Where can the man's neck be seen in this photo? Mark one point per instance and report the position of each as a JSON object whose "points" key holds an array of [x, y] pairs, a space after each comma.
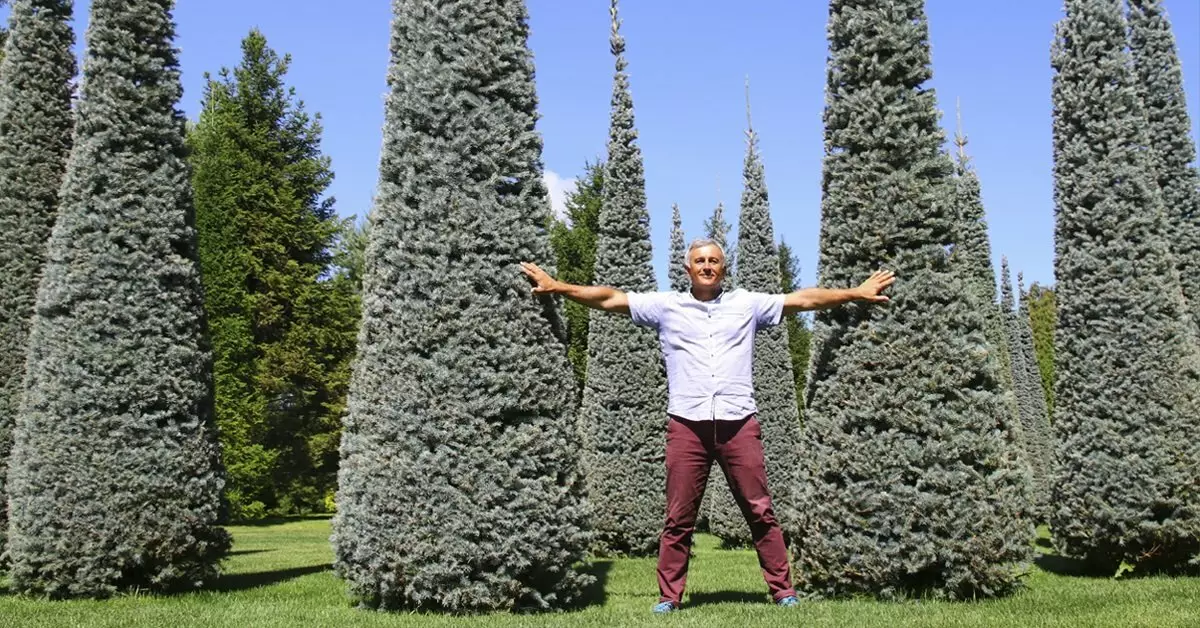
{"points": [[706, 295]]}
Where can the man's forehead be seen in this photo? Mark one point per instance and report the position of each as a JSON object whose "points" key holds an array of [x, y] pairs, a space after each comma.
{"points": [[708, 250]]}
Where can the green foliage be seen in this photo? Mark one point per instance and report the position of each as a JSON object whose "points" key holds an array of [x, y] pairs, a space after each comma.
{"points": [[799, 335], [1127, 365], [35, 138], [350, 252], [1173, 156], [910, 485], [625, 398], [283, 336], [115, 477], [1043, 318], [459, 487], [574, 244]]}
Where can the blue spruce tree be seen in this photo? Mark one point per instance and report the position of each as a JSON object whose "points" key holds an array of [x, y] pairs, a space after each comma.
{"points": [[459, 486], [910, 483], [115, 477], [624, 401], [35, 137], [1127, 367]]}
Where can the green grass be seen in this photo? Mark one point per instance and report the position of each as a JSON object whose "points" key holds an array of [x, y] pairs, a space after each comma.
{"points": [[279, 575]]}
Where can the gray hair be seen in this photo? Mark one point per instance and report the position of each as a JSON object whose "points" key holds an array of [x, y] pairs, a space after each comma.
{"points": [[699, 243]]}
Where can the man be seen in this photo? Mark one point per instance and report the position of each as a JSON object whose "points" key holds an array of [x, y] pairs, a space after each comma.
{"points": [[707, 338]]}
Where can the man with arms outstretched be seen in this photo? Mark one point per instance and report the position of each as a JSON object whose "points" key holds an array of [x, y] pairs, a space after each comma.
{"points": [[707, 338]]}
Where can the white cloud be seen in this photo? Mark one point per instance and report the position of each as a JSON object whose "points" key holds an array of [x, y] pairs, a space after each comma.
{"points": [[558, 188]]}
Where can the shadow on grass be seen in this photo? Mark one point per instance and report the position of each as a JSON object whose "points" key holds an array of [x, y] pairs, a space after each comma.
{"points": [[244, 581], [1074, 567], [595, 594], [725, 597], [1044, 543], [248, 552]]}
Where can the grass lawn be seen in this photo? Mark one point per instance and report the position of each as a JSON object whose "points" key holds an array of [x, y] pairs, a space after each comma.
{"points": [[279, 575]]}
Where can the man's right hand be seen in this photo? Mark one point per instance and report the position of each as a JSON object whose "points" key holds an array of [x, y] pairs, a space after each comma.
{"points": [[543, 283], [597, 297]]}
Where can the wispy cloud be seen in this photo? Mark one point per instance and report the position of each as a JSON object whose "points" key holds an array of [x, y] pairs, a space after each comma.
{"points": [[559, 188]]}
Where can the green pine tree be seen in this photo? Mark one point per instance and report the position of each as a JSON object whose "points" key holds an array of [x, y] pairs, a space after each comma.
{"points": [[115, 476], [1043, 318], [282, 335], [774, 384], [910, 484], [799, 335], [1160, 84], [676, 272], [574, 244], [35, 138], [624, 401], [459, 485], [1127, 368]]}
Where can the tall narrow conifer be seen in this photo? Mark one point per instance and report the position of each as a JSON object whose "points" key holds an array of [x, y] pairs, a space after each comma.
{"points": [[35, 137], [1173, 157], [1127, 368], [910, 484], [458, 485], [676, 272], [624, 401], [115, 478], [1031, 400], [774, 384]]}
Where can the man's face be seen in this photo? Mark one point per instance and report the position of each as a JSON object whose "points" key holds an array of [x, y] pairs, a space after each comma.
{"points": [[707, 266]]}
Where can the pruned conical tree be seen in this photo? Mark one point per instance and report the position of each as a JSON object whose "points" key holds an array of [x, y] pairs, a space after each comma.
{"points": [[1031, 400], [115, 479], [973, 252], [774, 384], [1173, 158], [458, 485], [1127, 369], [676, 273], [1034, 437], [35, 137], [624, 401], [910, 484]]}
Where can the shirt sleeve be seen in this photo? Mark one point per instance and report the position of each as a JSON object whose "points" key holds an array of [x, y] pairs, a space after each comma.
{"points": [[646, 308], [768, 309]]}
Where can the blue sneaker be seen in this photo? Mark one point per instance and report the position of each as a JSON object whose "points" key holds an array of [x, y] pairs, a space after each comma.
{"points": [[788, 601], [665, 607]]}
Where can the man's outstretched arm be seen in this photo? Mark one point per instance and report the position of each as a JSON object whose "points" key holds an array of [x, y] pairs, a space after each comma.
{"points": [[597, 297], [824, 298]]}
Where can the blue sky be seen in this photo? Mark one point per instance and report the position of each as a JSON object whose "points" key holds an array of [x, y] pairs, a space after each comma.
{"points": [[688, 63]]}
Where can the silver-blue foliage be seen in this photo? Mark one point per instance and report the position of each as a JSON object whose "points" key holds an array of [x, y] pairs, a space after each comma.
{"points": [[115, 477], [35, 137], [459, 486]]}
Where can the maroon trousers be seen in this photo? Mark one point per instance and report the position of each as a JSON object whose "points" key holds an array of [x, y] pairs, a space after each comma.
{"points": [[692, 446]]}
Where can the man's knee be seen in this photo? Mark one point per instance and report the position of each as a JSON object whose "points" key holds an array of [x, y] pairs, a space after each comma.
{"points": [[760, 511]]}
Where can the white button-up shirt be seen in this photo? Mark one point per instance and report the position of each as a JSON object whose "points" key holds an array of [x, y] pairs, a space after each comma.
{"points": [[708, 347]]}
